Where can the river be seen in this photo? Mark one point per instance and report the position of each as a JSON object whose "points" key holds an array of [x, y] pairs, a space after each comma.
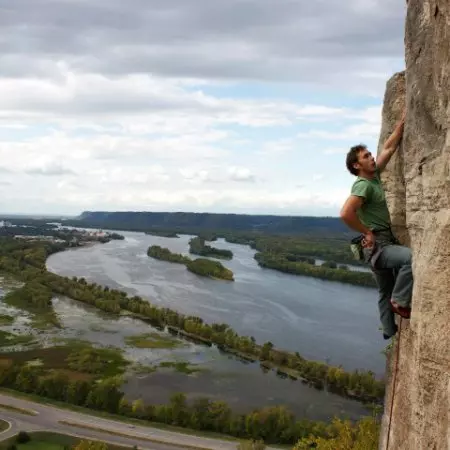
{"points": [[328, 321]]}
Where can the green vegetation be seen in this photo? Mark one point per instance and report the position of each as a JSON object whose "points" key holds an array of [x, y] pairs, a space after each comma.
{"points": [[99, 361], [6, 320], [164, 254], [273, 424], [344, 435], [211, 269], [200, 223], [35, 298], [252, 445], [76, 361], [200, 266], [3, 425], [162, 233], [43, 440], [10, 339], [182, 367], [197, 246], [88, 445], [360, 385], [327, 271], [152, 340]]}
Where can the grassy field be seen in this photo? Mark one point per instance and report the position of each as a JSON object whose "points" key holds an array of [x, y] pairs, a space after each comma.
{"points": [[153, 340], [50, 441], [3, 425], [77, 360], [8, 339]]}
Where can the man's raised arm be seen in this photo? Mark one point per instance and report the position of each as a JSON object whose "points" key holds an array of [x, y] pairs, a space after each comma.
{"points": [[390, 146]]}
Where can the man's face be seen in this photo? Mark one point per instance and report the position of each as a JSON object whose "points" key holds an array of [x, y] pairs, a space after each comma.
{"points": [[366, 162]]}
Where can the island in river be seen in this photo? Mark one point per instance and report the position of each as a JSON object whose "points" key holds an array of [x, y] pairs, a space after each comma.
{"points": [[200, 266]]}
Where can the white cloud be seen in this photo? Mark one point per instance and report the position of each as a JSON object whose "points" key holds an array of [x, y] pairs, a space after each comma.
{"points": [[146, 104], [241, 174], [51, 169]]}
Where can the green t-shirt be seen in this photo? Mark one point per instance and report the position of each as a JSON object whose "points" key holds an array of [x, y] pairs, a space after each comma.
{"points": [[374, 213]]}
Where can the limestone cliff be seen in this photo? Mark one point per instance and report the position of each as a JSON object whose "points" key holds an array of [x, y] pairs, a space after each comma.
{"points": [[418, 191]]}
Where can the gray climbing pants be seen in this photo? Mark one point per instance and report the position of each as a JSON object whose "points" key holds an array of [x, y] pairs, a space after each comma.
{"points": [[394, 277]]}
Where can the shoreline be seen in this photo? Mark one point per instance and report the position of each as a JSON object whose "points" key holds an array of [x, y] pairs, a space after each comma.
{"points": [[319, 380]]}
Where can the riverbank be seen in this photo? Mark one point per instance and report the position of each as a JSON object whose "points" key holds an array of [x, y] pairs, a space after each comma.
{"points": [[325, 321], [360, 385]]}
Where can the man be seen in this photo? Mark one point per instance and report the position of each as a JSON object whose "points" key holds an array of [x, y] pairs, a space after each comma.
{"points": [[366, 211]]}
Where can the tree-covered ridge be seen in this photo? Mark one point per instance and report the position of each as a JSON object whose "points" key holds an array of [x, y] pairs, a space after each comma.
{"points": [[199, 266], [198, 222], [197, 246], [28, 263]]}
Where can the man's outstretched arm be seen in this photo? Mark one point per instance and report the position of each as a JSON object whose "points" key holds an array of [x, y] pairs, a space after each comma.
{"points": [[390, 146]]}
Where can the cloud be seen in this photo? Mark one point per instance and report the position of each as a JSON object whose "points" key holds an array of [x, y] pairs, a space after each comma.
{"points": [[320, 41], [49, 170], [241, 174], [156, 105]]}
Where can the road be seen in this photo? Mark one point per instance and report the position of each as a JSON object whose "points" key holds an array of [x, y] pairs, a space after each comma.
{"points": [[48, 419]]}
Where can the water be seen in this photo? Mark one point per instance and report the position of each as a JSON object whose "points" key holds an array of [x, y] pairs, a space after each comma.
{"points": [[244, 386], [327, 321]]}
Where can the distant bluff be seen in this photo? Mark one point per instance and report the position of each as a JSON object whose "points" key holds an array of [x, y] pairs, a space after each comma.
{"points": [[196, 222]]}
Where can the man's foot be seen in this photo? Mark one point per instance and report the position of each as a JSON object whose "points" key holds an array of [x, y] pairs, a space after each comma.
{"points": [[388, 336], [400, 310]]}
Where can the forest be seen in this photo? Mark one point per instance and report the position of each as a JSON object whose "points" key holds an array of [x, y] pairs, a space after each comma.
{"points": [[194, 223]]}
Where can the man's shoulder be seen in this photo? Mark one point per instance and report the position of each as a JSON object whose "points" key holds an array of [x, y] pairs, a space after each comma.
{"points": [[360, 182]]}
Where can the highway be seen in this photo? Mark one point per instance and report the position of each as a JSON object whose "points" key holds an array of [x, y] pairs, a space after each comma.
{"points": [[48, 419]]}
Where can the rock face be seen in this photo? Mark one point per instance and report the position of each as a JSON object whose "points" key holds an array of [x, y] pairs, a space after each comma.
{"points": [[418, 191]]}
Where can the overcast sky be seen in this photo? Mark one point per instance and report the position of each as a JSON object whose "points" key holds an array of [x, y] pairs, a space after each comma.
{"points": [[194, 105]]}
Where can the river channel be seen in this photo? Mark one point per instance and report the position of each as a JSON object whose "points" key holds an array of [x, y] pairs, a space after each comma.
{"points": [[323, 320], [327, 321]]}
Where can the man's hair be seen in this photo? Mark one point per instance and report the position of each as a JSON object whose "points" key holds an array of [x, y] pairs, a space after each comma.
{"points": [[352, 157]]}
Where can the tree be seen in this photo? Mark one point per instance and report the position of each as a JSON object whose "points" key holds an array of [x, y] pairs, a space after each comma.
{"points": [[265, 351], [23, 437], [137, 408], [251, 445], [91, 445], [343, 435]]}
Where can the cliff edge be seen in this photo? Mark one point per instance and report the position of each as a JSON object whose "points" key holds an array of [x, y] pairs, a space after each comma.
{"points": [[417, 407]]}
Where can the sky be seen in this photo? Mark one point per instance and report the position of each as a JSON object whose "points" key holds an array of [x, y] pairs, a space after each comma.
{"points": [[242, 106]]}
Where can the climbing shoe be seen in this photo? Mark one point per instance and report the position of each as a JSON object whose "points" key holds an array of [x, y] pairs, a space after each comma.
{"points": [[401, 310]]}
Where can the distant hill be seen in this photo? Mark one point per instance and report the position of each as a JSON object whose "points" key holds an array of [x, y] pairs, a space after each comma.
{"points": [[196, 222]]}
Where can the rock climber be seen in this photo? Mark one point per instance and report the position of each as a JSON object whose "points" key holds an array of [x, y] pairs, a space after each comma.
{"points": [[366, 211]]}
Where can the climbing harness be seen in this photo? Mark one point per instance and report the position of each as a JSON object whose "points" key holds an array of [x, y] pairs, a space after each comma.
{"points": [[394, 384]]}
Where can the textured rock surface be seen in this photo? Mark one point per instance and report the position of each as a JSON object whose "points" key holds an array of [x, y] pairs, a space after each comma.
{"points": [[418, 186]]}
